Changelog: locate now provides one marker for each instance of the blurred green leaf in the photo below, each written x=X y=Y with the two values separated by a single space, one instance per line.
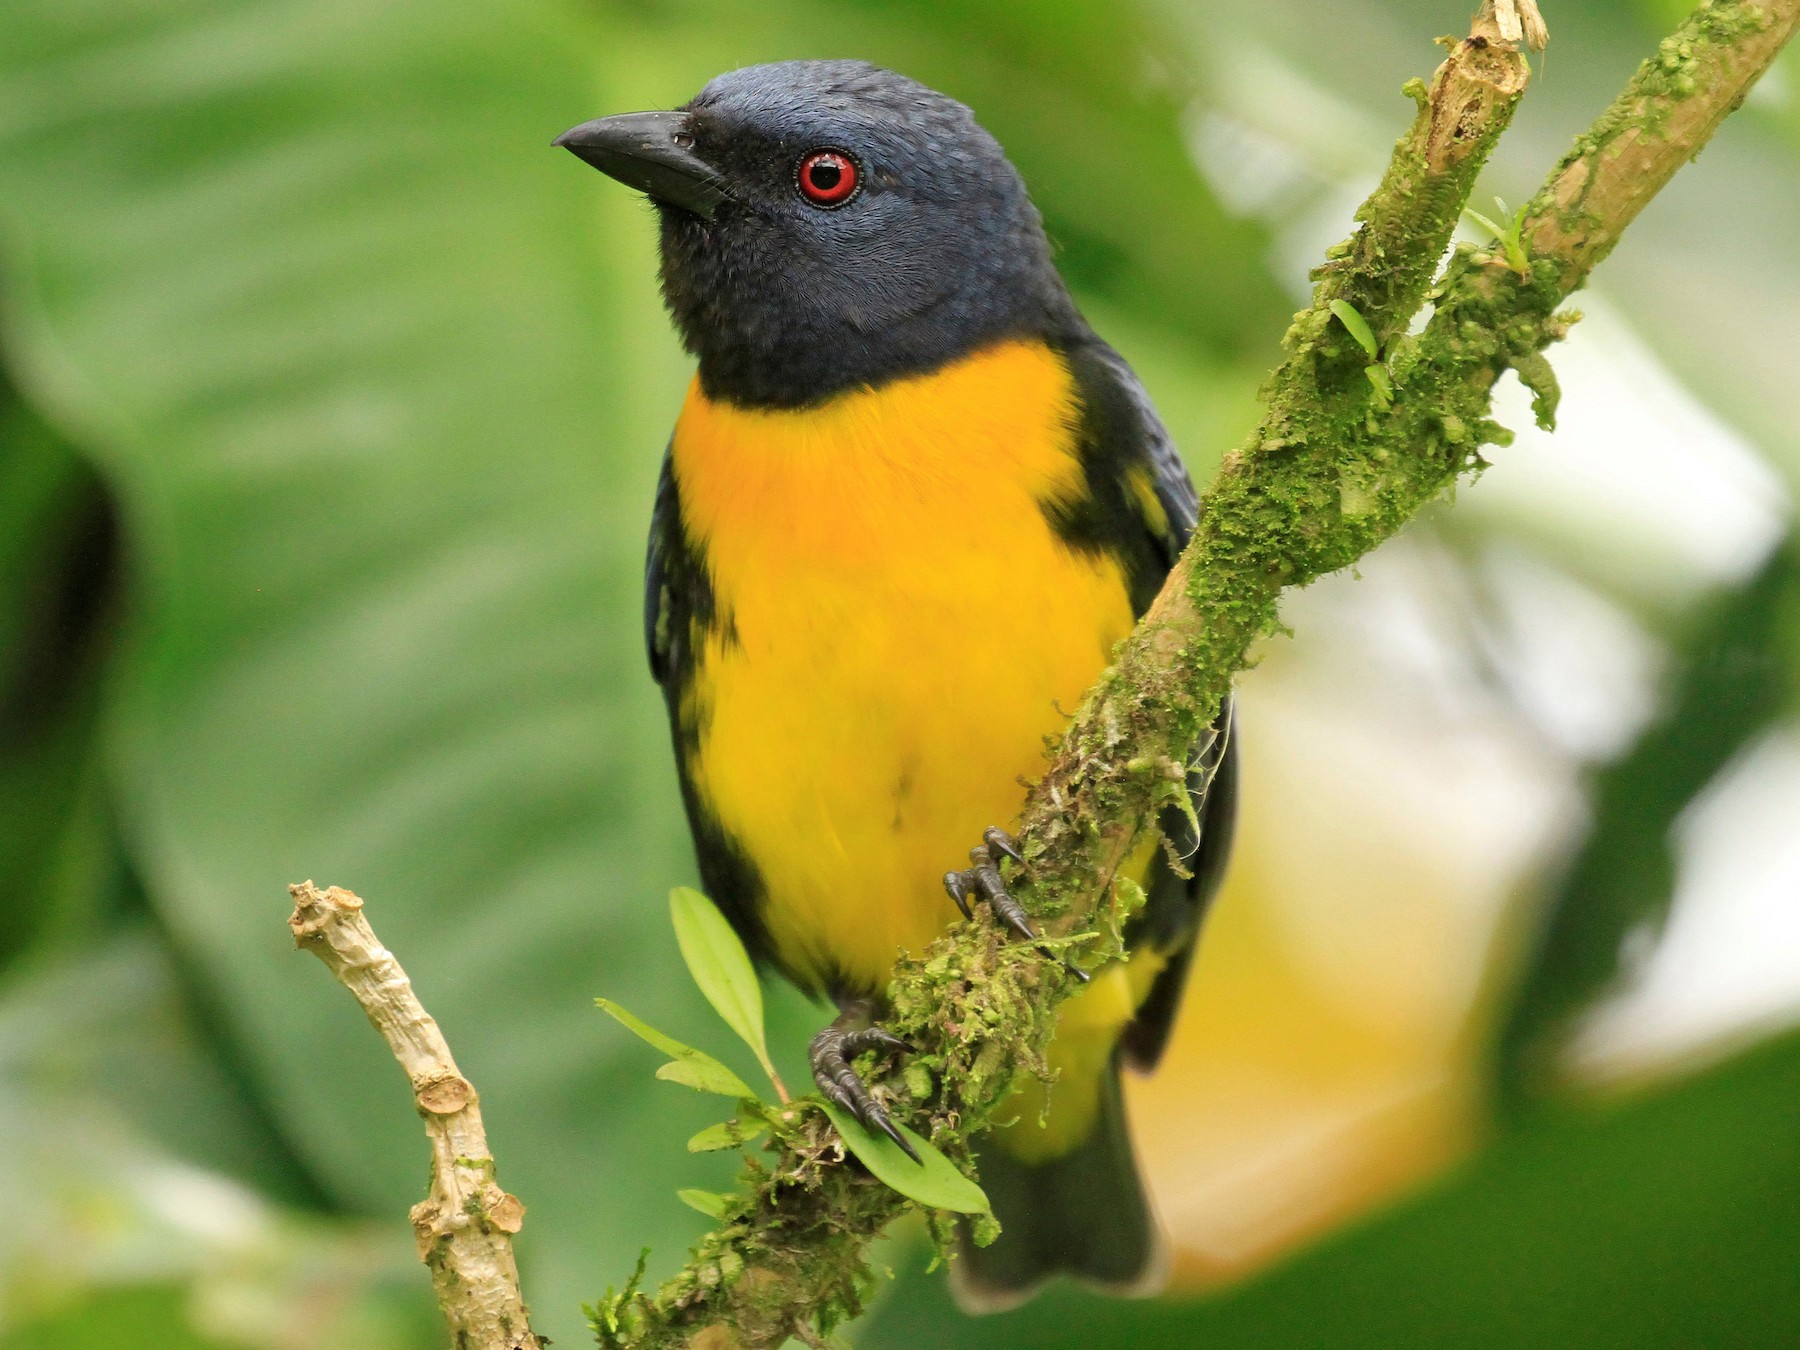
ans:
x=1734 y=674
x=721 y=968
x=115 y=1025
x=58 y=579
x=934 y=1181
x=709 y=1203
x=382 y=382
x=689 y=1067
x=143 y=1317
x=1666 y=1223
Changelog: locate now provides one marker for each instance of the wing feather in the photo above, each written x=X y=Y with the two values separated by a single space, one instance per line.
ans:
x=665 y=540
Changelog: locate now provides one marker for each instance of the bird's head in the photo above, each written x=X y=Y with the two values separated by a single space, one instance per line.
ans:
x=828 y=225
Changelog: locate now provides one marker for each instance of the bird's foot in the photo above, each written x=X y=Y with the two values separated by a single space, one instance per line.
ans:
x=982 y=880
x=832 y=1054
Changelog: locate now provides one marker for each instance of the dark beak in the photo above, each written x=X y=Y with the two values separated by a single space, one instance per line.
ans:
x=650 y=151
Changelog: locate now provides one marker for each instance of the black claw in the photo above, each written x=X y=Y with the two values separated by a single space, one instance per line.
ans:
x=984 y=878
x=999 y=841
x=958 y=885
x=831 y=1053
x=873 y=1038
x=1008 y=910
x=1017 y=921
x=877 y=1119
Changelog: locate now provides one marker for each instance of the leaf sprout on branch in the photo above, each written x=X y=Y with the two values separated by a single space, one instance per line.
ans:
x=722 y=971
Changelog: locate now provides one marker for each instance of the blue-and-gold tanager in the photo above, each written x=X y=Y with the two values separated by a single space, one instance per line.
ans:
x=911 y=503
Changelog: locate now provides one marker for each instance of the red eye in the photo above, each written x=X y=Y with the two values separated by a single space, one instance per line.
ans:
x=827 y=177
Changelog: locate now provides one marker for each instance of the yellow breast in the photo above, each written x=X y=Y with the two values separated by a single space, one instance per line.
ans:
x=904 y=629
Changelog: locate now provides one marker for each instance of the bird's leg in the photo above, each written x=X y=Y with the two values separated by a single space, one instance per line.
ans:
x=982 y=879
x=832 y=1053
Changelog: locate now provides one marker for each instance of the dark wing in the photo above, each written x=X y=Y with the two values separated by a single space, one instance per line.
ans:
x=1125 y=449
x=1174 y=489
x=679 y=609
x=665 y=537
x=679 y=613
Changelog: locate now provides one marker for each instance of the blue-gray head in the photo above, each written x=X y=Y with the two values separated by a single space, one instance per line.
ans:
x=828 y=225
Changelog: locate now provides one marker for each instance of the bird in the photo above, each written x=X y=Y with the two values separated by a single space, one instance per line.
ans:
x=911 y=503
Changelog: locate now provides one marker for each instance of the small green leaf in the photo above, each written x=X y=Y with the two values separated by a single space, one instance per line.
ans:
x=1384 y=385
x=703 y=1073
x=667 y=1044
x=726 y=1134
x=687 y=1066
x=933 y=1181
x=709 y=1203
x=1357 y=326
x=1508 y=236
x=1490 y=226
x=721 y=967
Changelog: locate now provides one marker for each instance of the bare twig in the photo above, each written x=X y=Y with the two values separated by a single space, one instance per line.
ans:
x=1518 y=21
x=465 y=1227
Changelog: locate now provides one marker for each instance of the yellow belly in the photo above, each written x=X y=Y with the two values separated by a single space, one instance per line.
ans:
x=905 y=630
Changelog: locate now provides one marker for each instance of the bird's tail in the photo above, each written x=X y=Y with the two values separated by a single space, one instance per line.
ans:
x=1082 y=1213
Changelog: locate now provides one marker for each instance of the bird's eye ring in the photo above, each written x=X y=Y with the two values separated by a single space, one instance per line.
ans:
x=827 y=178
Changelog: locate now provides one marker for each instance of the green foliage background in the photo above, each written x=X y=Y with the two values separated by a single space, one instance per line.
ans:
x=331 y=411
